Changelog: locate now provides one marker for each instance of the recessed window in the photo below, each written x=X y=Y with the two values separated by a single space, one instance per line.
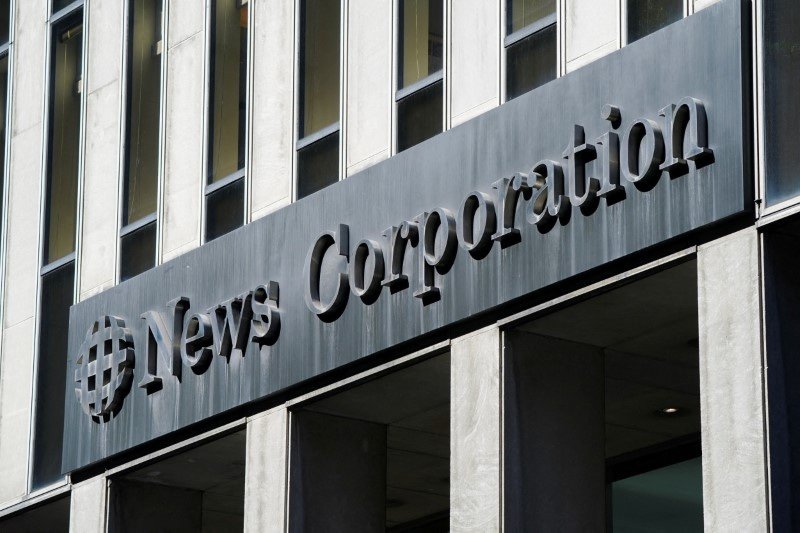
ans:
x=58 y=264
x=318 y=143
x=646 y=16
x=531 y=51
x=419 y=96
x=143 y=135
x=228 y=130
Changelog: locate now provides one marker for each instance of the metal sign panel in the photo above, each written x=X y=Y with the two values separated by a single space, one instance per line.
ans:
x=641 y=146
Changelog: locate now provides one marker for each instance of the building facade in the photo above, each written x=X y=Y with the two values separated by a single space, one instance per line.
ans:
x=399 y=265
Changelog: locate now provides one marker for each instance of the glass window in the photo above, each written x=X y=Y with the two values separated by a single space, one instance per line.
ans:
x=3 y=100
x=57 y=293
x=647 y=16
x=421 y=34
x=144 y=99
x=531 y=50
x=419 y=116
x=318 y=166
x=781 y=109
x=225 y=210
x=137 y=250
x=227 y=134
x=5 y=18
x=420 y=107
x=65 y=113
x=58 y=5
x=228 y=88
x=531 y=62
x=523 y=13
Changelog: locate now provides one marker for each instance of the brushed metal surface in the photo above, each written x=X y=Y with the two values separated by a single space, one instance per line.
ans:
x=705 y=56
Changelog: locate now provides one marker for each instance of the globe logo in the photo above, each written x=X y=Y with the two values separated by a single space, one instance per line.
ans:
x=105 y=368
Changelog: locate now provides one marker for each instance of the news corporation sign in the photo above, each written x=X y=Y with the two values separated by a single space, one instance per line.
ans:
x=645 y=145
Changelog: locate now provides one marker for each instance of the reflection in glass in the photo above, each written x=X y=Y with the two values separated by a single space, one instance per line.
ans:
x=65 y=112
x=319 y=65
x=419 y=116
x=137 y=251
x=318 y=165
x=144 y=97
x=57 y=293
x=781 y=89
x=225 y=210
x=531 y=62
x=421 y=34
x=647 y=16
x=664 y=499
x=523 y=13
x=228 y=88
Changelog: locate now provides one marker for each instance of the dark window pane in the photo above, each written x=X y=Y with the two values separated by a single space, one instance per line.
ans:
x=318 y=165
x=3 y=100
x=144 y=97
x=228 y=89
x=137 y=251
x=5 y=15
x=65 y=114
x=523 y=13
x=57 y=289
x=781 y=101
x=419 y=116
x=58 y=5
x=421 y=34
x=647 y=16
x=319 y=60
x=224 y=209
x=531 y=62
x=665 y=499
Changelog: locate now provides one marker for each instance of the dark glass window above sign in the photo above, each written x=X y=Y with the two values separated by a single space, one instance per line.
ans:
x=530 y=45
x=646 y=16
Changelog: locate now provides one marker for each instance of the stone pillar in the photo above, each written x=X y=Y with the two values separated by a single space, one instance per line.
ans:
x=338 y=474
x=103 y=80
x=184 y=127
x=554 y=434
x=475 y=425
x=368 y=98
x=272 y=115
x=265 y=472
x=87 y=508
x=731 y=384
x=25 y=135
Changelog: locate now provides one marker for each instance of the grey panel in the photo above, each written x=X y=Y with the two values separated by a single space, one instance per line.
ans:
x=702 y=56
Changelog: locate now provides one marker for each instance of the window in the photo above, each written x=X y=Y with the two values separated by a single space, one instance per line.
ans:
x=60 y=226
x=530 y=44
x=228 y=130
x=419 y=96
x=646 y=16
x=139 y=218
x=318 y=141
x=5 y=15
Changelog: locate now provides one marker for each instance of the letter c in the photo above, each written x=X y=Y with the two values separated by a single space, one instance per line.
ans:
x=312 y=273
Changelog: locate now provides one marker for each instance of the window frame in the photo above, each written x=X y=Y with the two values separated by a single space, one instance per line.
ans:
x=6 y=52
x=243 y=173
x=73 y=258
x=507 y=40
x=301 y=142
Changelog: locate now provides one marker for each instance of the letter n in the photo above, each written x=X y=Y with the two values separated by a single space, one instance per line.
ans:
x=163 y=343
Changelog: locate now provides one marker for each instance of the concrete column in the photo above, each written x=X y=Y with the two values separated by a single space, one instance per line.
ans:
x=22 y=242
x=554 y=435
x=103 y=80
x=475 y=425
x=184 y=128
x=272 y=115
x=368 y=100
x=265 y=472
x=87 y=508
x=473 y=52
x=731 y=384
x=338 y=474
x=592 y=30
